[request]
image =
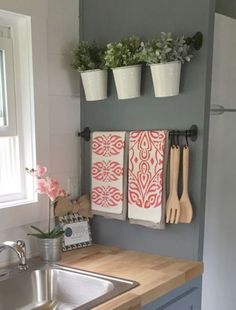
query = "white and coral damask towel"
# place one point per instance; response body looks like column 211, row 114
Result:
column 148, row 155
column 108, row 180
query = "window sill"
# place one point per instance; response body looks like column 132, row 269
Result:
column 15, row 203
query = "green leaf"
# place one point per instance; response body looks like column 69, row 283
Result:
column 125, row 52
column 37, row 229
column 56, row 231
column 88, row 56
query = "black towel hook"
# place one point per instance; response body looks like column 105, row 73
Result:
column 186, row 138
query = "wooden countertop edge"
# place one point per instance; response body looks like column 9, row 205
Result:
column 133, row 301
column 126, row 301
column 176, row 273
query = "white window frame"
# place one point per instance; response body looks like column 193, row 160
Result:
column 24, row 102
column 6, row 45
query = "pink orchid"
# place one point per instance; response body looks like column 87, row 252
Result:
column 45, row 184
column 42, row 187
column 53, row 188
column 40, row 171
column 52, row 183
column 50, row 187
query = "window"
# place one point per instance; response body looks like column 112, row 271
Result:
column 10, row 180
column 3, row 104
column 17, row 134
column 3, row 108
column 7, row 86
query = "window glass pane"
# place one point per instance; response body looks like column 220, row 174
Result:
column 10, row 178
column 3, row 106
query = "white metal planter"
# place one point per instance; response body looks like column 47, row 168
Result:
column 166, row 78
column 128, row 81
column 95, row 84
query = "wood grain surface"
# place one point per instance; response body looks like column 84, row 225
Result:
column 157, row 275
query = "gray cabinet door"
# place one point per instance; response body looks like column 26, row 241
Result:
column 188, row 301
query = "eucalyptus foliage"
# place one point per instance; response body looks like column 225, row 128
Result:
column 166, row 49
column 126, row 52
column 88, row 56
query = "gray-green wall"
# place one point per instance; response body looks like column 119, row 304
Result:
column 226, row 7
column 109, row 20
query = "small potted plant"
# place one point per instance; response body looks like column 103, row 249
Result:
column 165, row 56
column 50, row 242
column 124, row 58
column 88, row 59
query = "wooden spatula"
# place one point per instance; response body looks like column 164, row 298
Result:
column 186, row 210
column 173, row 204
column 168, row 209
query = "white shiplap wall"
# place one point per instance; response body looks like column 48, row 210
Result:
column 63, row 89
column 56, row 88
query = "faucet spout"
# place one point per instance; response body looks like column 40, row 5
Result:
column 19, row 248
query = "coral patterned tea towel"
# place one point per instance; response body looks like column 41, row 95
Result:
column 148, row 152
column 109, row 186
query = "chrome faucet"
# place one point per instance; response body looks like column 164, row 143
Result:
column 19, row 248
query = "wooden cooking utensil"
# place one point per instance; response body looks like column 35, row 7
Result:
column 186, row 210
column 168, row 210
column 173, row 204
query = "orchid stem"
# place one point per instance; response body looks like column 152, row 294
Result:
column 49, row 217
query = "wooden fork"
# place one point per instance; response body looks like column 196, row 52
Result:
column 173, row 204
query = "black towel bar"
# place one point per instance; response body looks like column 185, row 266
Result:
column 192, row 133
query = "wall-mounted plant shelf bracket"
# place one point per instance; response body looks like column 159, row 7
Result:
column 85, row 134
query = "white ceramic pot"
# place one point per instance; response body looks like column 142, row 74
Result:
column 95, row 84
column 166, row 78
column 128, row 81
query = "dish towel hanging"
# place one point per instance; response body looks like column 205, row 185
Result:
column 109, row 180
column 148, row 156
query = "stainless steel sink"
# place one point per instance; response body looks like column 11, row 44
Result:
column 46, row 286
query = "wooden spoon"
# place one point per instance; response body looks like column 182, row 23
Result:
column 186, row 210
column 173, row 204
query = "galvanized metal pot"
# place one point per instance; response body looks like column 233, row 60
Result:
column 50, row 249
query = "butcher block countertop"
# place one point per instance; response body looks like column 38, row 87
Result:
column 157, row 275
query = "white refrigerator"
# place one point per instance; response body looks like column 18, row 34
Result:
column 219, row 279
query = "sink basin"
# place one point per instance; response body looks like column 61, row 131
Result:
column 55, row 287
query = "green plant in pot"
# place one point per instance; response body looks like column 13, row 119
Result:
column 165, row 57
column 88, row 59
column 125, row 58
column 50, row 241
